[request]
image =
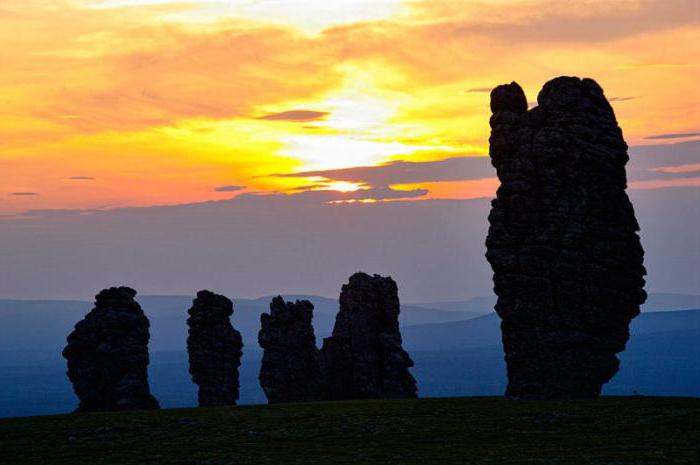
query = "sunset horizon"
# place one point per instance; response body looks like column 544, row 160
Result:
column 327, row 232
column 139, row 103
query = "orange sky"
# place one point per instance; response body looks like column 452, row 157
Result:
column 108, row 103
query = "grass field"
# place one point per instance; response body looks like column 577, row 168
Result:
column 639, row 431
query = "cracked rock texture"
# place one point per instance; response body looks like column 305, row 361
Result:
column 214, row 349
column 107, row 355
column 364, row 358
column 563, row 239
column 290, row 365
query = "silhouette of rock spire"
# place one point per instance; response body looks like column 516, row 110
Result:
column 107, row 355
column 563, row 242
column 290, row 365
column 214, row 349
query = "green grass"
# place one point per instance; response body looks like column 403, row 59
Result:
column 638, row 431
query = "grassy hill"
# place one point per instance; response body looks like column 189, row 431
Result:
column 461, row 431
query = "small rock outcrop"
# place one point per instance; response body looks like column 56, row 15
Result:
column 214, row 349
column 107, row 355
column 290, row 365
column 364, row 358
column 563, row 239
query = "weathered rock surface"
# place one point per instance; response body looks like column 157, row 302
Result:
column 563, row 241
column 107, row 355
column 290, row 365
column 214, row 349
column 364, row 358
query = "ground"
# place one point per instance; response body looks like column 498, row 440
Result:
column 639, row 431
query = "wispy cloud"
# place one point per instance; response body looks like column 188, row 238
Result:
column 228, row 188
column 155, row 92
column 555, row 21
column 652, row 65
column 666, row 183
column 22, row 194
column 689, row 168
column 296, row 116
column 407, row 172
column 678, row 135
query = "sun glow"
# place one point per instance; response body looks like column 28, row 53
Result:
column 312, row 17
column 111, row 103
column 343, row 186
column 358, row 130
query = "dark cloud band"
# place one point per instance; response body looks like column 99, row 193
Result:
column 296, row 116
column 679, row 135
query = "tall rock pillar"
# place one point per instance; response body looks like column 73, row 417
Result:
column 214, row 349
column 364, row 357
column 563, row 239
column 289, row 370
column 107, row 355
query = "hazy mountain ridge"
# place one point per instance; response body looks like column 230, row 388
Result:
column 451, row 358
column 44, row 324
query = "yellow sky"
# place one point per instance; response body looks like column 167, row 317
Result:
column 107, row 103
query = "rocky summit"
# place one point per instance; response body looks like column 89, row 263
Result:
column 364, row 358
column 563, row 239
column 107, row 355
column 214, row 348
column 290, row 365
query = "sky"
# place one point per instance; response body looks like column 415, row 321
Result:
column 158, row 142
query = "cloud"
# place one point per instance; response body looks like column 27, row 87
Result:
column 643, row 66
column 654, row 156
column 228, row 188
column 406, row 172
column 129, row 70
column 255, row 245
column 323, row 196
column 665, row 165
column 169, row 96
column 655, row 166
column 452, row 178
column 21, row 194
column 621, row 99
column 666, row 183
column 554, row 21
column 81, row 178
column 687, row 168
column 296, row 116
column 678, row 135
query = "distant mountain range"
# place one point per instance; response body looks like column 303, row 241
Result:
column 42, row 325
column 455, row 345
column 656, row 302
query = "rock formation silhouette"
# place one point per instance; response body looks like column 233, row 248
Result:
column 290, row 365
column 107, row 355
column 563, row 243
column 214, row 349
column 364, row 359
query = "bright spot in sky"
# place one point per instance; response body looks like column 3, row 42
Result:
column 359, row 128
column 309, row 15
column 356, row 112
column 326, row 152
column 315, row 15
column 343, row 186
